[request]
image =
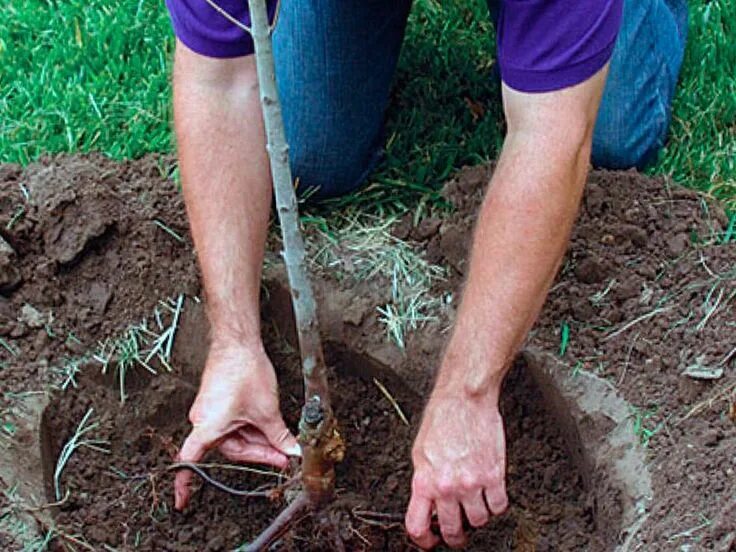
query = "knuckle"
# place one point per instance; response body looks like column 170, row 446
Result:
column 421, row 483
column 494, row 478
column 445, row 486
column 468, row 482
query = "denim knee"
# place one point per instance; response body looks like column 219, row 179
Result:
column 631, row 143
column 324, row 173
column 635, row 110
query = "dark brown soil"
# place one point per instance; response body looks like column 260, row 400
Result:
column 123, row 499
column 91, row 259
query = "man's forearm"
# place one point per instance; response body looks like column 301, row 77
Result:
column 226, row 182
column 521, row 236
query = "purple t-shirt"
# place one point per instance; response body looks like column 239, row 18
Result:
column 543, row 45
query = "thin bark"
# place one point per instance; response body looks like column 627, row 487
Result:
column 279, row 525
column 321, row 444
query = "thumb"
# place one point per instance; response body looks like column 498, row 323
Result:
column 192, row 451
column 280, row 438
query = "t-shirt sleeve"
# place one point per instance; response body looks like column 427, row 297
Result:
column 546, row 45
column 205, row 30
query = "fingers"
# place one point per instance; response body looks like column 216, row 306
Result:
column 238, row 449
column 475, row 509
column 496, row 497
column 451, row 523
column 418, row 522
column 280, row 437
column 193, row 449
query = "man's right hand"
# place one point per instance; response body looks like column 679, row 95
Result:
column 236, row 412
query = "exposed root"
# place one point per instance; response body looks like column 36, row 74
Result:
column 383, row 520
column 280, row 525
column 196, row 468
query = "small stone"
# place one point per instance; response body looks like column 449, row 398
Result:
column 41, row 340
column 711, row 437
column 355, row 313
column 31, row 316
column 5, row 248
column 590, row 271
column 426, row 229
column 402, row 228
column 583, row 311
column 676, row 245
column 216, row 544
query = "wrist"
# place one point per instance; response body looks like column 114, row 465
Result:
column 226, row 339
column 230, row 354
column 472, row 371
column 230, row 331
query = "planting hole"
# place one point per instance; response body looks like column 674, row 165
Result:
column 124, row 498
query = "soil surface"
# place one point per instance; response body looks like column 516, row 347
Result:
column 646, row 295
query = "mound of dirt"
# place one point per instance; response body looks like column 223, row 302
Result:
column 646, row 298
column 89, row 255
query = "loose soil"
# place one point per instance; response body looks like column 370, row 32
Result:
column 91, row 254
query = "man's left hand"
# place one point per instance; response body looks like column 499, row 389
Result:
column 459, row 466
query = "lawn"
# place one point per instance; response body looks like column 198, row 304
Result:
column 93, row 75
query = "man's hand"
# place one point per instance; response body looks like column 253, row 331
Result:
column 520, row 239
column 459, row 466
column 237, row 412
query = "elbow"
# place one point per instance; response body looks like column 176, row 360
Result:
column 223, row 77
column 561, row 144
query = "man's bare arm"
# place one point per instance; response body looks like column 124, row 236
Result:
column 521, row 235
column 227, row 190
column 227, row 183
column 523, row 229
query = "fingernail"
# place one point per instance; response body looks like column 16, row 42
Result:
column 294, row 450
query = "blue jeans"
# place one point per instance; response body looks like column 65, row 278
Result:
column 335, row 60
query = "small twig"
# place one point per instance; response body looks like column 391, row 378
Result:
column 391, row 399
column 383, row 520
column 380, row 515
column 42, row 507
column 728, row 357
column 628, row 359
column 279, row 525
column 229, row 17
column 361, row 537
column 641, row 318
column 708, row 402
column 45, row 523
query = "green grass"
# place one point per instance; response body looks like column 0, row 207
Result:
column 84, row 75
column 93, row 75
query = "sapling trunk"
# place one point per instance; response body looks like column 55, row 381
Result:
column 320, row 441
